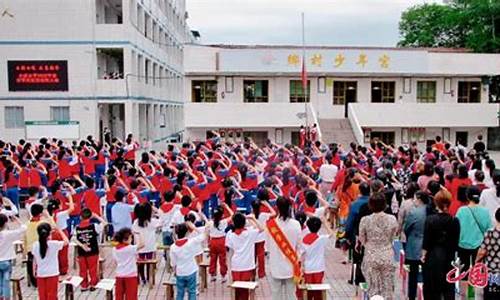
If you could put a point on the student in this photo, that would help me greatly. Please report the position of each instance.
(146, 226)
(30, 238)
(180, 214)
(87, 236)
(125, 254)
(217, 243)
(61, 218)
(182, 260)
(166, 211)
(45, 253)
(313, 248)
(121, 212)
(260, 243)
(7, 253)
(241, 242)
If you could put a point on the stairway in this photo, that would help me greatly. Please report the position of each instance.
(336, 131)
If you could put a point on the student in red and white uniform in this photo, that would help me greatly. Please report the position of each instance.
(312, 198)
(312, 250)
(182, 259)
(180, 214)
(61, 218)
(241, 242)
(166, 212)
(260, 243)
(45, 253)
(130, 149)
(146, 226)
(217, 243)
(125, 255)
(302, 136)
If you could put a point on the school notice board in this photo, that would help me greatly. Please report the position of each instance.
(52, 129)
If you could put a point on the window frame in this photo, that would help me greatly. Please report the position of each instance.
(203, 86)
(256, 99)
(467, 97)
(423, 87)
(385, 87)
(57, 111)
(337, 95)
(299, 96)
(11, 117)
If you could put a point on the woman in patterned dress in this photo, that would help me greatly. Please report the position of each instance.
(376, 233)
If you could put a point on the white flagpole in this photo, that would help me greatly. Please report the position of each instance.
(304, 62)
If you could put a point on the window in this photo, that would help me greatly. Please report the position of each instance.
(383, 91)
(426, 92)
(14, 116)
(387, 137)
(59, 113)
(255, 90)
(204, 90)
(344, 91)
(297, 91)
(146, 71)
(259, 137)
(469, 92)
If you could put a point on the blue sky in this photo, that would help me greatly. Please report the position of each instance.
(328, 22)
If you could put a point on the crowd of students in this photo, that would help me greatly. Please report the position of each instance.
(243, 201)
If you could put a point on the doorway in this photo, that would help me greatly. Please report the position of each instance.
(462, 138)
(112, 120)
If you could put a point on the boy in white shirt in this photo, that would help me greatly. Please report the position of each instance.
(242, 243)
(312, 250)
(182, 259)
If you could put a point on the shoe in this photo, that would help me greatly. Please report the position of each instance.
(224, 279)
(213, 279)
(92, 288)
(84, 289)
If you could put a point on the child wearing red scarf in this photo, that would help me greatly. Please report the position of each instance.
(313, 249)
(87, 235)
(125, 255)
(182, 259)
(242, 243)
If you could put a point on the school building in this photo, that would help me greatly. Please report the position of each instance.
(77, 68)
(354, 93)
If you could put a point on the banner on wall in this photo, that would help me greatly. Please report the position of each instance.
(37, 75)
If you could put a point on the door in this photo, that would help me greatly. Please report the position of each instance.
(387, 137)
(462, 138)
(350, 96)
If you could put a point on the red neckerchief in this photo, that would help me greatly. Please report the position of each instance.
(35, 219)
(310, 238)
(121, 245)
(181, 242)
(239, 231)
(185, 210)
(167, 207)
(309, 209)
(84, 223)
(30, 201)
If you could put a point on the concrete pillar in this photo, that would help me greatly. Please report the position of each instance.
(129, 117)
(150, 121)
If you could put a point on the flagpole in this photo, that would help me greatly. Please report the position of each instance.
(304, 63)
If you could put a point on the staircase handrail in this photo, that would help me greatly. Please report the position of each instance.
(315, 119)
(356, 127)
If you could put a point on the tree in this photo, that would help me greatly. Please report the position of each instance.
(431, 25)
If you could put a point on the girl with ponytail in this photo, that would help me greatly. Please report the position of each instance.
(45, 253)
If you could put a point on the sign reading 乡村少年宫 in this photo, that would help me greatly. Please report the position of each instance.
(38, 75)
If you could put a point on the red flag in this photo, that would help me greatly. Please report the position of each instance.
(304, 75)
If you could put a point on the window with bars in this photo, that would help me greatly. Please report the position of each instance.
(383, 91)
(297, 91)
(255, 91)
(426, 91)
(344, 91)
(14, 116)
(59, 113)
(469, 92)
(204, 90)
